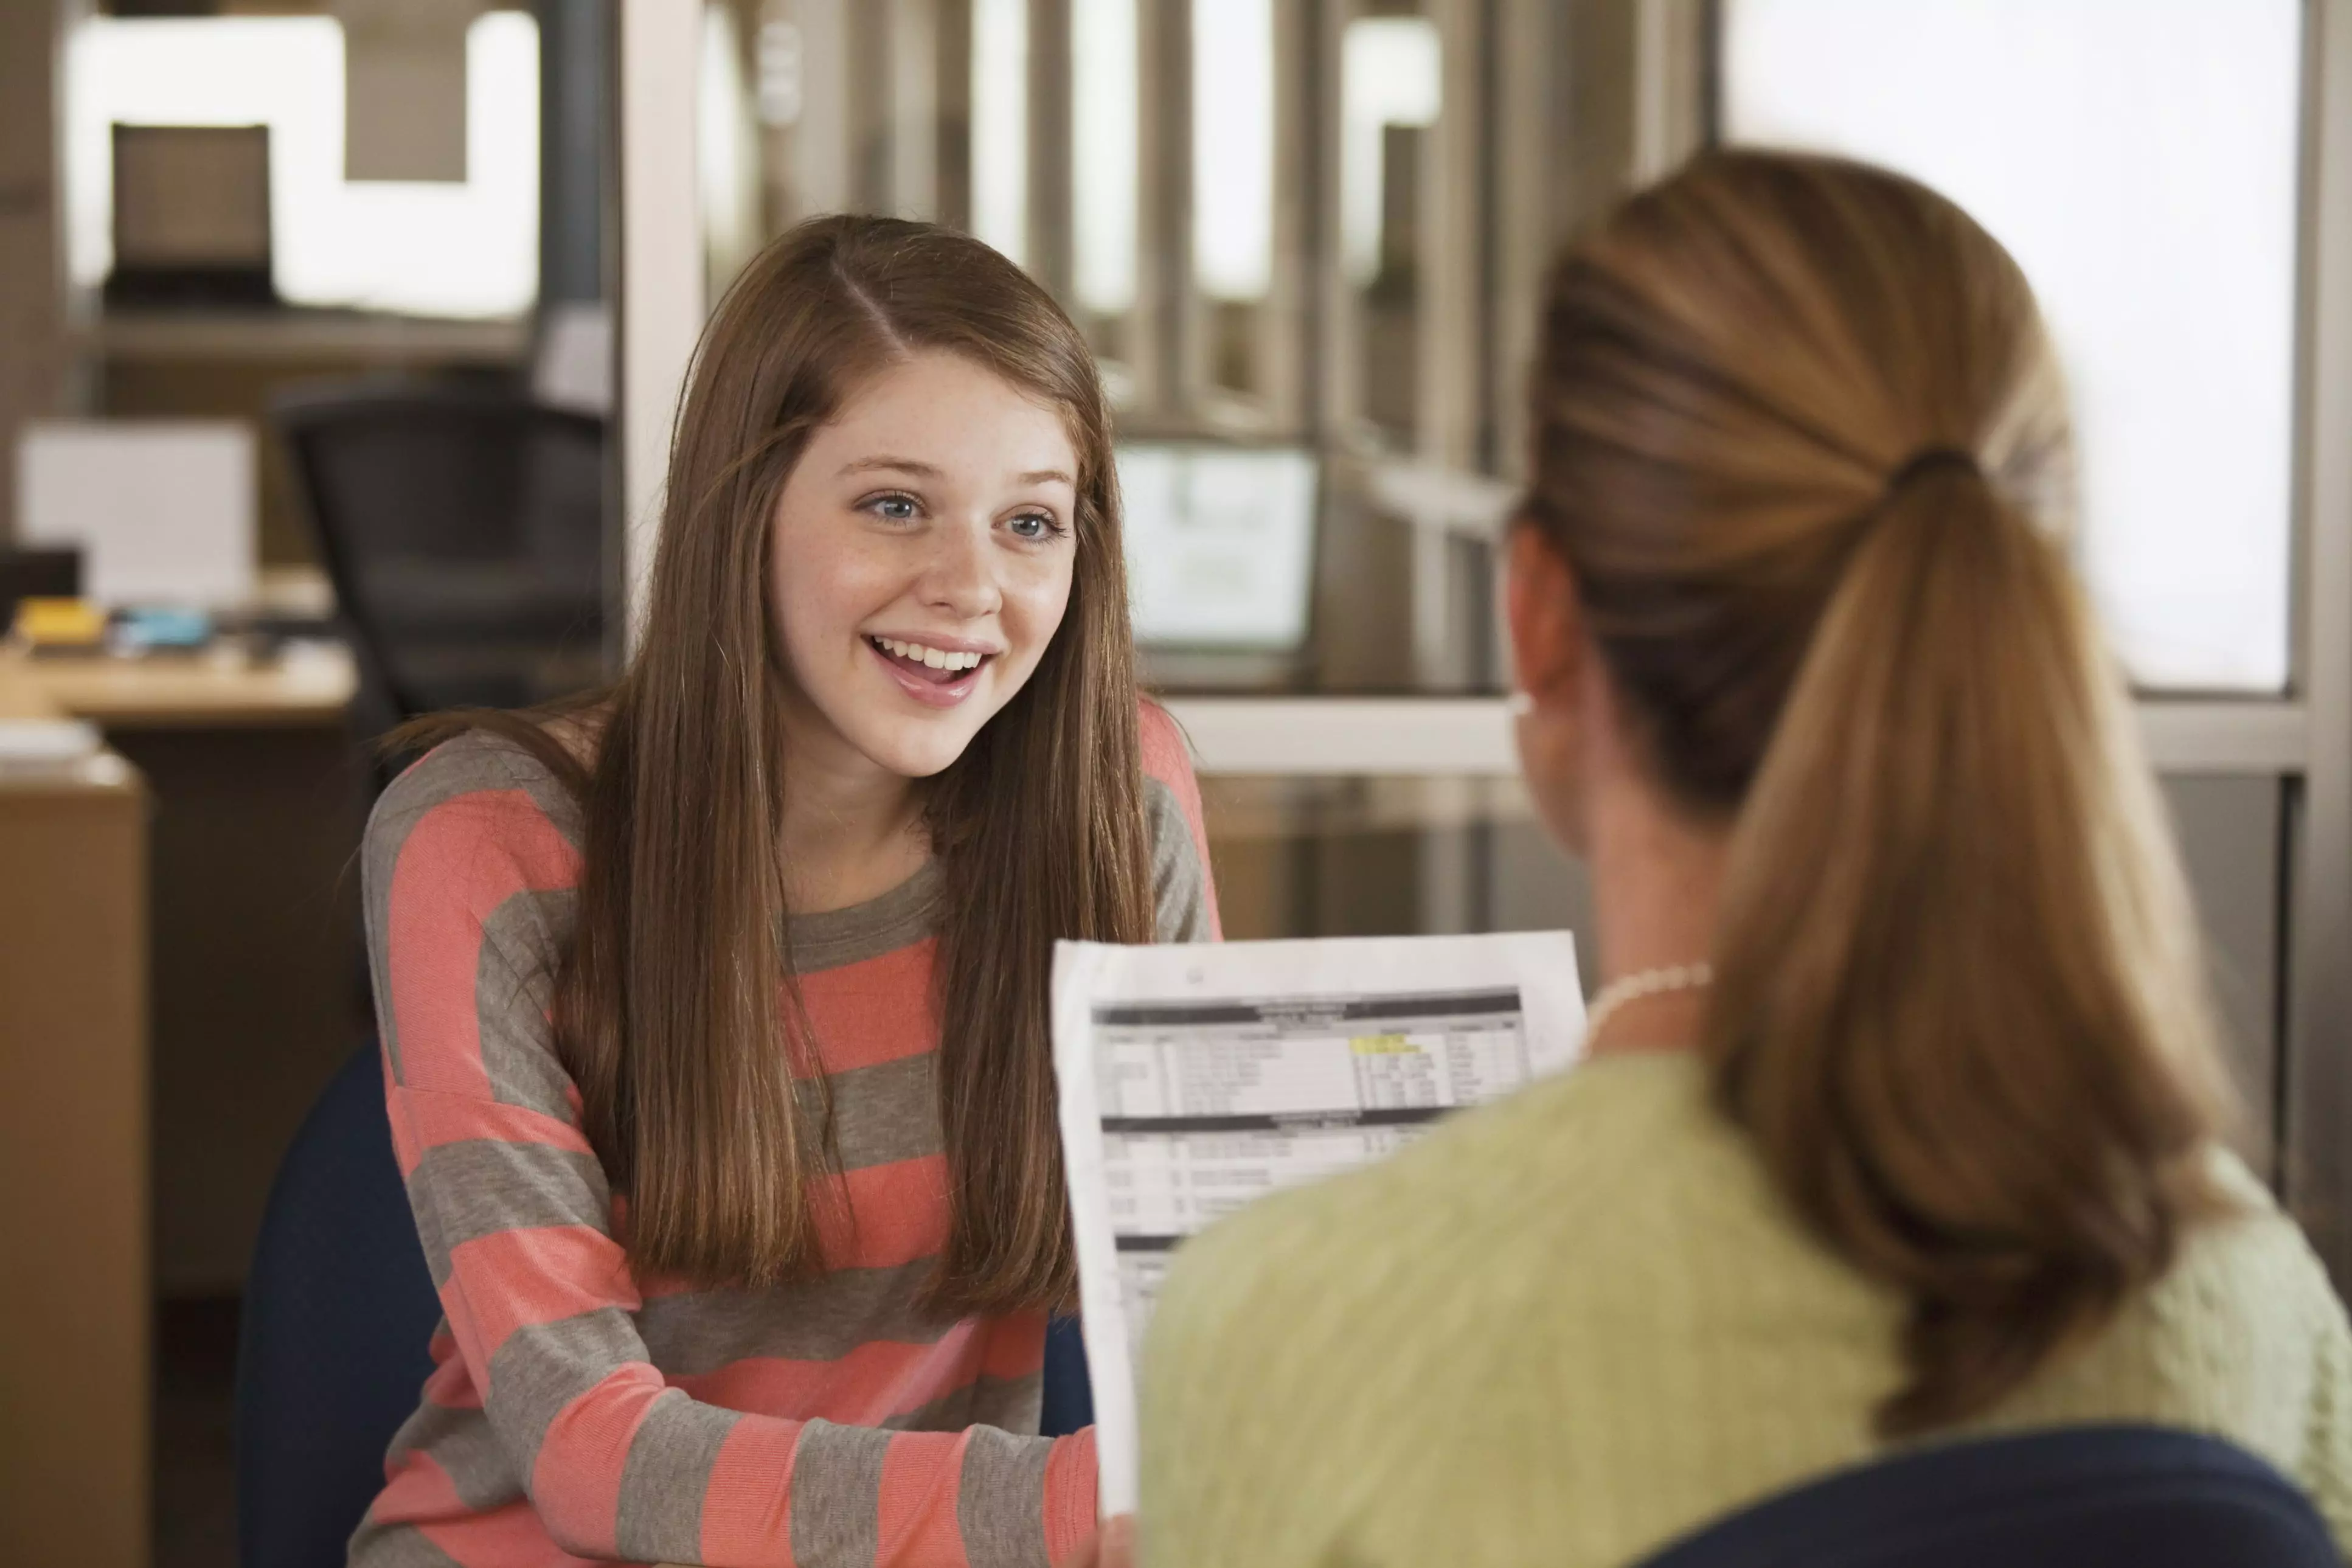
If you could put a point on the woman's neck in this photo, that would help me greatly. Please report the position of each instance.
(851, 830)
(1656, 882)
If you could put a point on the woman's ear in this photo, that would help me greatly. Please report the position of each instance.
(1547, 620)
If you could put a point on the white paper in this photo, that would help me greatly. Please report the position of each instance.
(162, 509)
(1196, 1078)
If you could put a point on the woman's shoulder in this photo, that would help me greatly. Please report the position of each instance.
(1570, 1163)
(478, 795)
(1167, 753)
(2249, 1271)
(1183, 900)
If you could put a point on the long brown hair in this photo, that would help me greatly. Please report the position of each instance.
(1801, 436)
(676, 1014)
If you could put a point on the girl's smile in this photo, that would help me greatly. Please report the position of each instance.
(920, 562)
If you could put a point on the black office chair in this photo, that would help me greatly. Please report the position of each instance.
(2083, 1496)
(333, 1351)
(463, 527)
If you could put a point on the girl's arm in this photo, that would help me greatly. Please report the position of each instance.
(514, 1212)
(1183, 892)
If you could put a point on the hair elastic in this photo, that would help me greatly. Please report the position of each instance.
(1929, 457)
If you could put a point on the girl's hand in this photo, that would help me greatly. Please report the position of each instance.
(1112, 1546)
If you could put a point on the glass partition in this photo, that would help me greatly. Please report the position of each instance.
(2139, 157)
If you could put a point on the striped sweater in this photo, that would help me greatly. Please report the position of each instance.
(576, 1411)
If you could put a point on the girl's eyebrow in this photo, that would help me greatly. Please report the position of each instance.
(931, 471)
(902, 465)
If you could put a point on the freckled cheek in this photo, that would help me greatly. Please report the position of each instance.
(825, 599)
(1035, 606)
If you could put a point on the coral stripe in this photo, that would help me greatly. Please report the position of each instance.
(918, 1501)
(877, 1380)
(576, 1477)
(1015, 1346)
(1167, 757)
(1070, 1494)
(507, 1537)
(471, 854)
(747, 1508)
(415, 1487)
(538, 1276)
(874, 1012)
(895, 1214)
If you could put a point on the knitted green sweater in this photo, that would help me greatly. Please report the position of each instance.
(1567, 1328)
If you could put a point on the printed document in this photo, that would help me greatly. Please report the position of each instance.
(1196, 1078)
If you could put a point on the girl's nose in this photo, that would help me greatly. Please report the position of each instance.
(959, 576)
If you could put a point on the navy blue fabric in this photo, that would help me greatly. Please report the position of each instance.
(1069, 1402)
(2084, 1496)
(333, 1347)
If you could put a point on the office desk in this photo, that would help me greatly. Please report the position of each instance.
(176, 692)
(257, 789)
(75, 1384)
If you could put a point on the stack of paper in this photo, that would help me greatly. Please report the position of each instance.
(1196, 1078)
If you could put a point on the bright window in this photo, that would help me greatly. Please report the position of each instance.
(1000, 125)
(1232, 147)
(1103, 152)
(2139, 158)
(1390, 74)
(429, 249)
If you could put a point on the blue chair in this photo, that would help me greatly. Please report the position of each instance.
(2082, 1496)
(1069, 1401)
(339, 1313)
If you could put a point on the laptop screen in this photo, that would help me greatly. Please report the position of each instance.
(1220, 544)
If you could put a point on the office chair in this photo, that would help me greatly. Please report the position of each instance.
(463, 527)
(2083, 1496)
(332, 1350)
(1069, 1398)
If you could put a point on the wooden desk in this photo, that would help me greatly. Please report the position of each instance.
(75, 1382)
(256, 786)
(310, 689)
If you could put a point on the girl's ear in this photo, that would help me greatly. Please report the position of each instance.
(1547, 621)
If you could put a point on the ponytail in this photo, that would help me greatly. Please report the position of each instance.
(1798, 435)
(1946, 958)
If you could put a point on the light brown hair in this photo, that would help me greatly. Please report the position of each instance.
(1801, 437)
(676, 1014)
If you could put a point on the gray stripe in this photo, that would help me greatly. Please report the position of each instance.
(542, 1367)
(461, 1442)
(465, 765)
(834, 938)
(822, 1319)
(395, 1546)
(523, 941)
(887, 1113)
(462, 1191)
(837, 1495)
(1009, 1404)
(1001, 1502)
(1179, 882)
(659, 1516)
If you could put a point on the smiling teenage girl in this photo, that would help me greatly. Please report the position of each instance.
(714, 1014)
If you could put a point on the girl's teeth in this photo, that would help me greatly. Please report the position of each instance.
(930, 657)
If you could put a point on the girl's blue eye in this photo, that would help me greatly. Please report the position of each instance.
(1035, 526)
(896, 509)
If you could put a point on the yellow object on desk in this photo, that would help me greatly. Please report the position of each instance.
(60, 623)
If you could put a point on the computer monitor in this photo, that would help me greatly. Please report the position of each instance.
(1220, 545)
(191, 215)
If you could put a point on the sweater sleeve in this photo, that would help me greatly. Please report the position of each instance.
(1183, 895)
(467, 880)
(2326, 1470)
